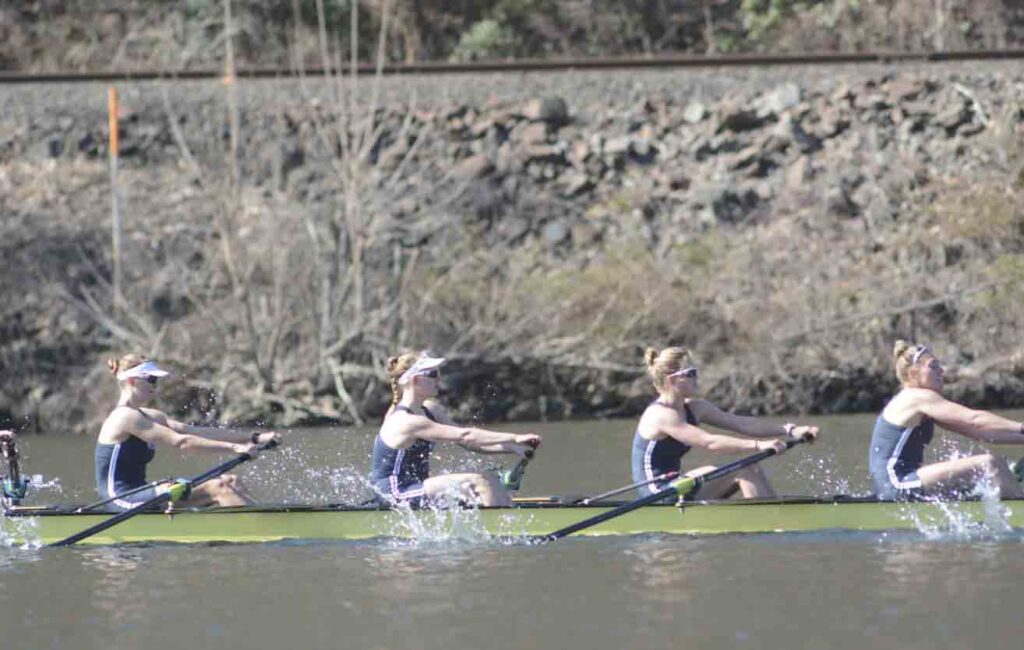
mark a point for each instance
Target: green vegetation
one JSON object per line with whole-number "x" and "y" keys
{"x": 39, "y": 35}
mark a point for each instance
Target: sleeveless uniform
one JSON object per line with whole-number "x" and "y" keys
{"x": 895, "y": 455}
{"x": 122, "y": 467}
{"x": 397, "y": 475}
{"x": 655, "y": 457}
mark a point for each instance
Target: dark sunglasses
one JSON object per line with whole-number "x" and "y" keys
{"x": 433, "y": 373}
{"x": 690, "y": 372}
{"x": 151, "y": 380}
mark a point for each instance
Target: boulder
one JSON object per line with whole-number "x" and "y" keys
{"x": 550, "y": 110}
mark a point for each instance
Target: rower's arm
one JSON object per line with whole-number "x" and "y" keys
{"x": 221, "y": 434}
{"x": 980, "y": 425}
{"x": 161, "y": 434}
{"x": 688, "y": 434}
{"x": 472, "y": 438}
{"x": 746, "y": 425}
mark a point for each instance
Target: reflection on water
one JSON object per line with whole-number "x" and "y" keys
{"x": 802, "y": 591}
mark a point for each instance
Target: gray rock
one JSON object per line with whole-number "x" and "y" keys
{"x": 740, "y": 119}
{"x": 533, "y": 133}
{"x": 576, "y": 184}
{"x": 555, "y": 232}
{"x": 779, "y": 100}
{"x": 618, "y": 145}
{"x": 473, "y": 167}
{"x": 694, "y": 112}
{"x": 551, "y": 110}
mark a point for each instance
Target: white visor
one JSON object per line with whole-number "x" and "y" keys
{"x": 422, "y": 365}
{"x": 147, "y": 369}
{"x": 919, "y": 352}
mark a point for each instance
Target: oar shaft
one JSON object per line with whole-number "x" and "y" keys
{"x": 611, "y": 514}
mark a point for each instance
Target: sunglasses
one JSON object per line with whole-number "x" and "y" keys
{"x": 433, "y": 373}
{"x": 151, "y": 380}
{"x": 689, "y": 372}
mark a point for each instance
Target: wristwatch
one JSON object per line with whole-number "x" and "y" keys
{"x": 255, "y": 438}
{"x": 787, "y": 428}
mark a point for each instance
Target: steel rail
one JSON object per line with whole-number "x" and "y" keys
{"x": 525, "y": 65}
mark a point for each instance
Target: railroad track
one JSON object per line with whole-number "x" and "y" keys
{"x": 529, "y": 65}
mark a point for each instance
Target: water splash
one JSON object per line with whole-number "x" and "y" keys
{"x": 19, "y": 533}
{"x": 952, "y": 519}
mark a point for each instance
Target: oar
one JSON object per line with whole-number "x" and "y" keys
{"x": 121, "y": 496}
{"x": 180, "y": 490}
{"x": 680, "y": 486}
{"x": 667, "y": 476}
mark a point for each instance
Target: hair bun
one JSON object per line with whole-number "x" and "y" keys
{"x": 900, "y": 348}
{"x": 391, "y": 363}
{"x": 650, "y": 356}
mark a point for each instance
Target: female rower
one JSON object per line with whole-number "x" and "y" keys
{"x": 132, "y": 431}
{"x": 906, "y": 425}
{"x": 400, "y": 469}
{"x": 670, "y": 427}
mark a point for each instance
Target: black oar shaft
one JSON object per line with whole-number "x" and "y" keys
{"x": 678, "y": 486}
{"x": 160, "y": 498}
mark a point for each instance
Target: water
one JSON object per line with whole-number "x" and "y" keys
{"x": 933, "y": 589}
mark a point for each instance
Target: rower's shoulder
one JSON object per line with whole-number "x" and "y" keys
{"x": 128, "y": 415}
{"x": 659, "y": 413}
{"x": 438, "y": 410}
{"x": 911, "y": 396}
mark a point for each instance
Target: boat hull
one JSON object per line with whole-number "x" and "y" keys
{"x": 277, "y": 523}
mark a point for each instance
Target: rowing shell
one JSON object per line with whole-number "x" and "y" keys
{"x": 533, "y": 517}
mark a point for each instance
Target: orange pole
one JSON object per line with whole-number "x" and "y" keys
{"x": 112, "y": 114}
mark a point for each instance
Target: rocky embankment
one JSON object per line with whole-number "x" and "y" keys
{"x": 785, "y": 224}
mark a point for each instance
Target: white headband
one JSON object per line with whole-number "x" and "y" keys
{"x": 422, "y": 366}
{"x": 146, "y": 369}
{"x": 920, "y": 351}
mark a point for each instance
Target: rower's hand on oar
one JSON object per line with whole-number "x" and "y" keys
{"x": 778, "y": 444}
{"x": 267, "y": 436}
{"x": 250, "y": 449}
{"x": 805, "y": 433}
{"x": 525, "y": 444}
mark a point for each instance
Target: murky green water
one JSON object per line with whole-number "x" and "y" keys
{"x": 768, "y": 591}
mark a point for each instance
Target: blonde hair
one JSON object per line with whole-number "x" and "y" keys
{"x": 396, "y": 366}
{"x": 903, "y": 358}
{"x": 662, "y": 363}
{"x": 124, "y": 363}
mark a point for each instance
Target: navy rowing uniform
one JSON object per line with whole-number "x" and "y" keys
{"x": 120, "y": 468}
{"x": 895, "y": 455}
{"x": 397, "y": 475}
{"x": 655, "y": 457}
